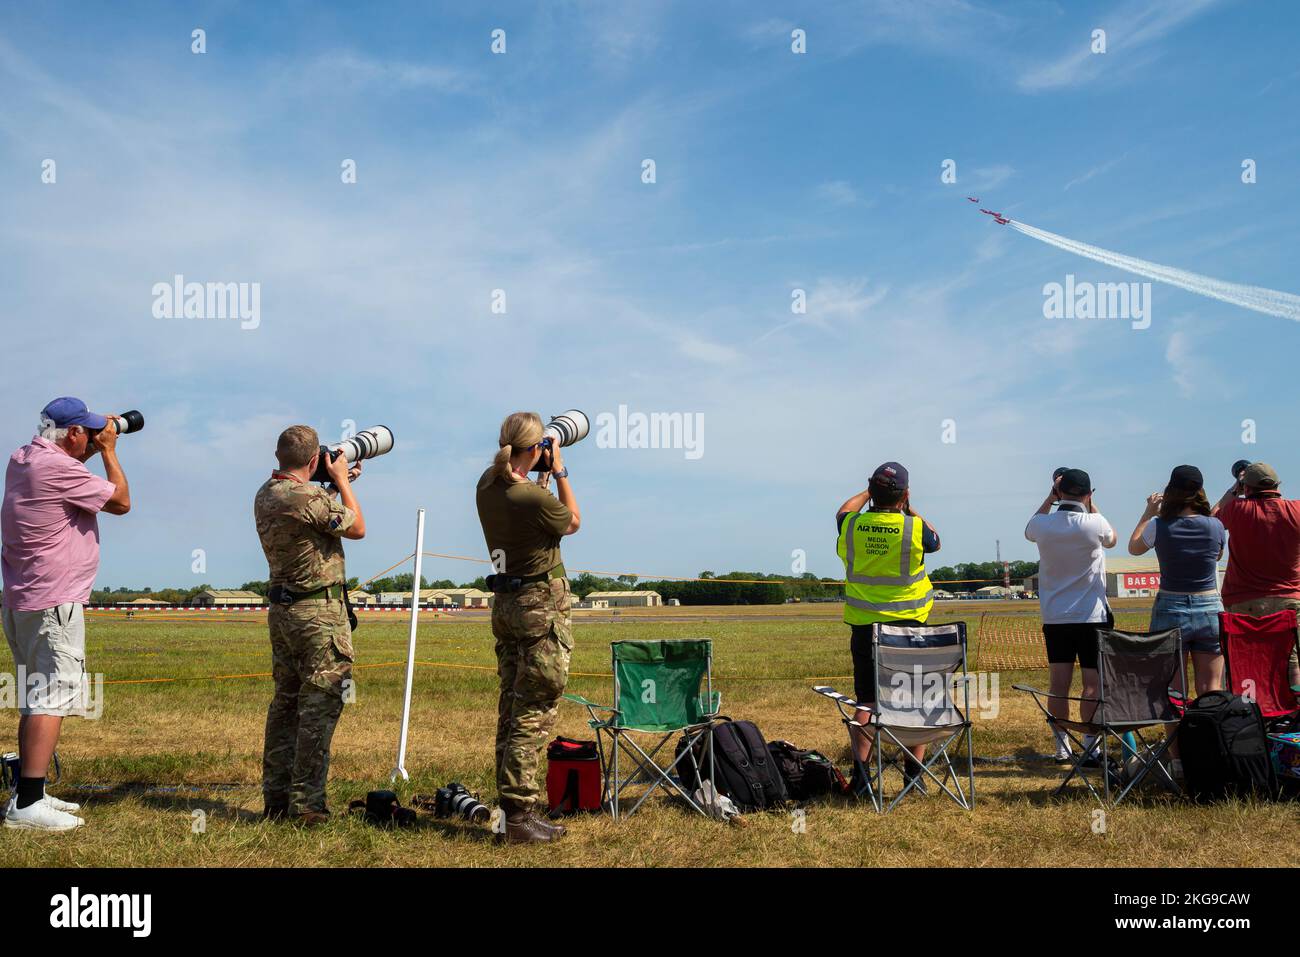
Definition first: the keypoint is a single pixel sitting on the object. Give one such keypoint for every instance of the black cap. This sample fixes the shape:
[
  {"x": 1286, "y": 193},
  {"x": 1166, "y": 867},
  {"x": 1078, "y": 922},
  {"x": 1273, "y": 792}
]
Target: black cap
[
  {"x": 1075, "y": 482},
  {"x": 890, "y": 475},
  {"x": 1186, "y": 478}
]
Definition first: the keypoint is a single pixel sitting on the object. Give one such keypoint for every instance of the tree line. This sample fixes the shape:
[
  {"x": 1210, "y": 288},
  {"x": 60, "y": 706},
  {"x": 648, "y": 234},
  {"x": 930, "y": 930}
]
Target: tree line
[{"x": 758, "y": 588}]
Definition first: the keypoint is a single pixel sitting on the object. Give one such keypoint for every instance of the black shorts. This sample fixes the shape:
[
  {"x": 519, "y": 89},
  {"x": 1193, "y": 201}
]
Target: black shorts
[
  {"x": 1067, "y": 642},
  {"x": 864, "y": 662}
]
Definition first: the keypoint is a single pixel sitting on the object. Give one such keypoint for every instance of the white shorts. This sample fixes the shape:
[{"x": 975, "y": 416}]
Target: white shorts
[{"x": 49, "y": 649}]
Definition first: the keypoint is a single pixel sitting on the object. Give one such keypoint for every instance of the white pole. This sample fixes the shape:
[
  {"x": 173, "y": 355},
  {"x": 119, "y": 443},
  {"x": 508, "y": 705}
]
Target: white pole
[{"x": 400, "y": 769}]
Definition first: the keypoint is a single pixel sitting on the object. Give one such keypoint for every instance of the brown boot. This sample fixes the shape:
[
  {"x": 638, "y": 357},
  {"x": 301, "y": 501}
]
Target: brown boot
[
  {"x": 311, "y": 818},
  {"x": 529, "y": 831},
  {"x": 553, "y": 826}
]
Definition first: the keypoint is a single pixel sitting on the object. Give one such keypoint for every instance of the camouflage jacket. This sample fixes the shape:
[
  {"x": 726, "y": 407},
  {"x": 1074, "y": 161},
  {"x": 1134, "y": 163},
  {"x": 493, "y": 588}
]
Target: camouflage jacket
[{"x": 300, "y": 526}]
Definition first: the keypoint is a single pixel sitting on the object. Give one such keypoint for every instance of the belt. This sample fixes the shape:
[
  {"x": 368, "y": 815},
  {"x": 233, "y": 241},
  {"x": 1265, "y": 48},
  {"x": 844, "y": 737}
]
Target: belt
[
  {"x": 279, "y": 595},
  {"x": 504, "y": 584}
]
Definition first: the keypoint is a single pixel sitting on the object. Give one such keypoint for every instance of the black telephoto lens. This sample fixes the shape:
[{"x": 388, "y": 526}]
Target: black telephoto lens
[{"x": 131, "y": 421}]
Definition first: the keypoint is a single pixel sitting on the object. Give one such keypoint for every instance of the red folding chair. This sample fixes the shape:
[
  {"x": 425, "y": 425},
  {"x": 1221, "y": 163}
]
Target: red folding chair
[{"x": 1256, "y": 653}]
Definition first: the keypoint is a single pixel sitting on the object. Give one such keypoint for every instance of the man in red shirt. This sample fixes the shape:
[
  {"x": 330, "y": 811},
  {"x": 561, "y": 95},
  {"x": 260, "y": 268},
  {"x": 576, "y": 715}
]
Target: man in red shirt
[{"x": 1263, "y": 547}]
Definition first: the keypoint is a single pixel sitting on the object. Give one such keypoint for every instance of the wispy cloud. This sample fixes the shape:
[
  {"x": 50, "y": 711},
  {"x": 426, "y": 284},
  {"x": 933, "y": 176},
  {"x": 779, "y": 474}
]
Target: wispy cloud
[
  {"x": 1095, "y": 171},
  {"x": 840, "y": 193},
  {"x": 988, "y": 177},
  {"x": 1130, "y": 29},
  {"x": 832, "y": 303},
  {"x": 350, "y": 69}
]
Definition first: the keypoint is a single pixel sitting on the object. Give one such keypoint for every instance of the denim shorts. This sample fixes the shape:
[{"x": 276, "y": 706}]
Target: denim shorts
[{"x": 1196, "y": 615}]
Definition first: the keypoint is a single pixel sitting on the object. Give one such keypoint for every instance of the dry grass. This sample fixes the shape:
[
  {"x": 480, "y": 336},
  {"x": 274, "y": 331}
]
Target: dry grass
[{"x": 204, "y": 737}]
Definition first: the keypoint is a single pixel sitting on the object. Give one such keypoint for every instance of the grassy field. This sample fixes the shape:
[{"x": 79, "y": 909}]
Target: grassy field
[{"x": 163, "y": 750}]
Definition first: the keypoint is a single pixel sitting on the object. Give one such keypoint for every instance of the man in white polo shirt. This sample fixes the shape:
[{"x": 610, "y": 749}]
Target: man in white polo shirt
[
  {"x": 50, "y": 557},
  {"x": 1072, "y": 591}
]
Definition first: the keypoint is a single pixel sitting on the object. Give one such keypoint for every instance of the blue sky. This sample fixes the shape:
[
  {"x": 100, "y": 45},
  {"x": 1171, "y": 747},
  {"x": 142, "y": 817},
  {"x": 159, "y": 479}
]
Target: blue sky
[{"x": 522, "y": 172}]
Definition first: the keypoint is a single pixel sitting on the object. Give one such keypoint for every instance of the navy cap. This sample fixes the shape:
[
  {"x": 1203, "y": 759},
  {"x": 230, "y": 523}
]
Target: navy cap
[
  {"x": 66, "y": 411},
  {"x": 890, "y": 475},
  {"x": 1075, "y": 482},
  {"x": 1186, "y": 478}
]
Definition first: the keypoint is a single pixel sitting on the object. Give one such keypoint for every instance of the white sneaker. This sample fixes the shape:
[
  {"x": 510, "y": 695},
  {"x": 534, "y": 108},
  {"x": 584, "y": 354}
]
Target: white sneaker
[
  {"x": 1063, "y": 752},
  {"x": 66, "y": 807},
  {"x": 41, "y": 816}
]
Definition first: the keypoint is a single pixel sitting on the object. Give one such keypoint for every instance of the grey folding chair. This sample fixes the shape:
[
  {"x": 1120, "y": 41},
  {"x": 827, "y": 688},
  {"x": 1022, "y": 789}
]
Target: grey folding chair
[
  {"x": 917, "y": 671},
  {"x": 1136, "y": 673}
]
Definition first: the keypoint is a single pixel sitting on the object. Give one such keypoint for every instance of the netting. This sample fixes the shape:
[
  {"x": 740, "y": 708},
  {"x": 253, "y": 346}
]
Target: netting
[{"x": 1015, "y": 642}]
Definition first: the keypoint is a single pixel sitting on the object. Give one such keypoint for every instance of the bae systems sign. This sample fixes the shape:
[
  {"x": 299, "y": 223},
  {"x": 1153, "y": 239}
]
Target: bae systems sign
[{"x": 1144, "y": 580}]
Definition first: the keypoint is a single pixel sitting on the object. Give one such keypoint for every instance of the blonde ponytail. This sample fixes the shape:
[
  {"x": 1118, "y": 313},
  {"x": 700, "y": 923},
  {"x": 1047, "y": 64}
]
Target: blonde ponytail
[{"x": 520, "y": 430}]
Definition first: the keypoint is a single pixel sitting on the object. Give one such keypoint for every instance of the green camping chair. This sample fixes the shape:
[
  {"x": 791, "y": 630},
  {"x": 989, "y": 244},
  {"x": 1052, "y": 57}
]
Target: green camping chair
[{"x": 657, "y": 692}]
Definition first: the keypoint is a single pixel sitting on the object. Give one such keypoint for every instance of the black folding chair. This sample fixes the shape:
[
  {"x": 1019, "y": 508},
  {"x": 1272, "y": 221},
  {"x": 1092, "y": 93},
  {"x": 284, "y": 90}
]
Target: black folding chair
[
  {"x": 917, "y": 668},
  {"x": 1136, "y": 672}
]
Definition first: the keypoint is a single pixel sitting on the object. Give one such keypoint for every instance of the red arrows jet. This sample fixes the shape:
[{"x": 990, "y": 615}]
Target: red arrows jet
[
  {"x": 973, "y": 199},
  {"x": 1000, "y": 219}
]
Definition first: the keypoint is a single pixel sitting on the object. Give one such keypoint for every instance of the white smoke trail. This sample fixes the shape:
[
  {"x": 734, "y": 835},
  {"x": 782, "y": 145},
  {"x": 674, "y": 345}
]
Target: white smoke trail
[{"x": 1268, "y": 301}]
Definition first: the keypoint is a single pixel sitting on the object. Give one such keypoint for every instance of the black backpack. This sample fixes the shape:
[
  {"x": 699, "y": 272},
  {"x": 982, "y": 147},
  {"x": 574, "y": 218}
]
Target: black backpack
[
  {"x": 1224, "y": 749},
  {"x": 744, "y": 770},
  {"x": 807, "y": 774}
]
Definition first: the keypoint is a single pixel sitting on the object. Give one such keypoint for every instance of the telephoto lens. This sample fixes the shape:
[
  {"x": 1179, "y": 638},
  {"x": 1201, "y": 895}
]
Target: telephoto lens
[
  {"x": 455, "y": 800},
  {"x": 567, "y": 428},
  {"x": 563, "y": 430},
  {"x": 132, "y": 421},
  {"x": 366, "y": 444}
]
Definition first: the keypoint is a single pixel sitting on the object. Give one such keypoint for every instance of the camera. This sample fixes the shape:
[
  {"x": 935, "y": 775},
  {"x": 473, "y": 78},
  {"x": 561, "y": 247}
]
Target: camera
[
  {"x": 1238, "y": 467},
  {"x": 132, "y": 421},
  {"x": 455, "y": 801},
  {"x": 565, "y": 429},
  {"x": 366, "y": 444}
]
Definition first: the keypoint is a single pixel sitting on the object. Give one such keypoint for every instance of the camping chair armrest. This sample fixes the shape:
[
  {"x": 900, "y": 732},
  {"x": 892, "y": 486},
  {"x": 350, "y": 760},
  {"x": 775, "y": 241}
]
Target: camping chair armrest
[
  {"x": 712, "y": 709},
  {"x": 579, "y": 699},
  {"x": 1046, "y": 694}
]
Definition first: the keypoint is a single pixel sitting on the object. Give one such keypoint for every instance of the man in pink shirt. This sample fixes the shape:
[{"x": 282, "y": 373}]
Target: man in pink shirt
[{"x": 50, "y": 556}]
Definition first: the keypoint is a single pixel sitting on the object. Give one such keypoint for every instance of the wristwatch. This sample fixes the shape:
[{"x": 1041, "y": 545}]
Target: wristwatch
[{"x": 560, "y": 475}]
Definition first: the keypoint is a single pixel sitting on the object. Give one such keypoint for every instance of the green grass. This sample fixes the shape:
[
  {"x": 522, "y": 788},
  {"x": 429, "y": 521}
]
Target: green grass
[{"x": 163, "y": 751}]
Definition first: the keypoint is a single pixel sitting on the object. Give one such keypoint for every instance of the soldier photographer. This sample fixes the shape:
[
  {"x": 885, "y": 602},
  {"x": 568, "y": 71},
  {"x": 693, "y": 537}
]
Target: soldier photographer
[
  {"x": 524, "y": 522},
  {"x": 301, "y": 526}
]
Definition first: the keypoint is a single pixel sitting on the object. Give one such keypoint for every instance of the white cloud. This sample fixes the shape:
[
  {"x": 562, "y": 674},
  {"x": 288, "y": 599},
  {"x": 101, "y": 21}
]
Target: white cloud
[
  {"x": 351, "y": 69},
  {"x": 1095, "y": 171},
  {"x": 1129, "y": 29},
  {"x": 695, "y": 347},
  {"x": 840, "y": 193},
  {"x": 988, "y": 177}
]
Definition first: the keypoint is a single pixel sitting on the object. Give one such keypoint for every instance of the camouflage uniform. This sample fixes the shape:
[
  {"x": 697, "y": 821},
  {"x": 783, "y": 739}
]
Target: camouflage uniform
[
  {"x": 534, "y": 641},
  {"x": 300, "y": 525}
]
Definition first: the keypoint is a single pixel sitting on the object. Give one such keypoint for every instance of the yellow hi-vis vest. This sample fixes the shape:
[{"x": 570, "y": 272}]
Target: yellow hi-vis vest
[{"x": 884, "y": 568}]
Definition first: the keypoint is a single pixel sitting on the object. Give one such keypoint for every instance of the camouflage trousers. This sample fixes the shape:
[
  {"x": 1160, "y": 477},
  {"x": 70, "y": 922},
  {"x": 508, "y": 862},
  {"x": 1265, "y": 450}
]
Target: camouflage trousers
[
  {"x": 311, "y": 658},
  {"x": 534, "y": 641}
]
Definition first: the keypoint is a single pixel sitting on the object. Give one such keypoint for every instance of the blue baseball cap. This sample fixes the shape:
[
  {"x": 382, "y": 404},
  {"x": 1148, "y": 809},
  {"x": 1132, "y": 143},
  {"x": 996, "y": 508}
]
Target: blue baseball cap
[
  {"x": 66, "y": 411},
  {"x": 890, "y": 475}
]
